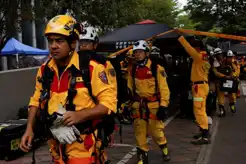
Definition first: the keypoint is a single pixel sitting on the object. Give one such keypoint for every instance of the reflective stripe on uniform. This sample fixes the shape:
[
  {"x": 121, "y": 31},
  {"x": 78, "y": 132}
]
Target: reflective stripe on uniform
[{"x": 197, "y": 99}]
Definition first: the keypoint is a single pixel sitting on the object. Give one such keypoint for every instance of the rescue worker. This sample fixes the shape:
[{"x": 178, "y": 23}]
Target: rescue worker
[
  {"x": 88, "y": 41},
  {"x": 150, "y": 96},
  {"x": 234, "y": 75},
  {"x": 125, "y": 63},
  {"x": 78, "y": 146},
  {"x": 218, "y": 66},
  {"x": 155, "y": 53},
  {"x": 225, "y": 70},
  {"x": 200, "y": 88}
]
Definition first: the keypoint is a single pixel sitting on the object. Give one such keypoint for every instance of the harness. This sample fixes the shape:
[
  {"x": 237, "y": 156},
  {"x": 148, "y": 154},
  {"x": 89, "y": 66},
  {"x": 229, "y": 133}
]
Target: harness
[
  {"x": 105, "y": 125},
  {"x": 226, "y": 70},
  {"x": 143, "y": 101}
]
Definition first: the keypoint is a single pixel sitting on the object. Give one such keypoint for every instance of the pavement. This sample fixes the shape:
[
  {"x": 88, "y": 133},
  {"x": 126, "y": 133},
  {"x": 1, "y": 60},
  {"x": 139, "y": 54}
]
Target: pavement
[
  {"x": 178, "y": 132},
  {"x": 227, "y": 147}
]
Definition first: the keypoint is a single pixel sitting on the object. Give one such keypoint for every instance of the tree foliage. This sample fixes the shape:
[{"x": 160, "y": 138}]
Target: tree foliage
[
  {"x": 227, "y": 16},
  {"x": 104, "y": 14}
]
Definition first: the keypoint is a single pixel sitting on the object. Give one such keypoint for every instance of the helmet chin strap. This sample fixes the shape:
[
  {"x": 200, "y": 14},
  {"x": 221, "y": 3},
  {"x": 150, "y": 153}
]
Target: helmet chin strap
[
  {"x": 142, "y": 62},
  {"x": 68, "y": 56}
]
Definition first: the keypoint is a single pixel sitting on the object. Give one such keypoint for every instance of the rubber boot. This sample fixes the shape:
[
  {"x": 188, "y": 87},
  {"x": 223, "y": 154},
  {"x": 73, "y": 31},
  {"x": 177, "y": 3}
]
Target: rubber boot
[
  {"x": 142, "y": 156},
  {"x": 232, "y": 107},
  {"x": 204, "y": 139},
  {"x": 222, "y": 111},
  {"x": 165, "y": 153},
  {"x": 107, "y": 162},
  {"x": 198, "y": 135}
]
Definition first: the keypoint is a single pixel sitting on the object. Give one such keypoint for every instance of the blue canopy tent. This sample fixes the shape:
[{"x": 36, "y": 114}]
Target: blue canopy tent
[{"x": 14, "y": 47}]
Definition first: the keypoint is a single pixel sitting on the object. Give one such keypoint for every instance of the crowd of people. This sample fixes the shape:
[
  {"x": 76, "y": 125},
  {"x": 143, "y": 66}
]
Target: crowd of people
[{"x": 75, "y": 96}]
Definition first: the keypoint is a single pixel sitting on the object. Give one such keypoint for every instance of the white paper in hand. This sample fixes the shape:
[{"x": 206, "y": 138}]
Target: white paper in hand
[{"x": 228, "y": 84}]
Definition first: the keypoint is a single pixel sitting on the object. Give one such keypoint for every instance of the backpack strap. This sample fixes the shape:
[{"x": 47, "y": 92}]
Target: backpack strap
[
  {"x": 72, "y": 90},
  {"x": 46, "y": 80},
  {"x": 134, "y": 67},
  {"x": 84, "y": 62},
  {"x": 153, "y": 69}
]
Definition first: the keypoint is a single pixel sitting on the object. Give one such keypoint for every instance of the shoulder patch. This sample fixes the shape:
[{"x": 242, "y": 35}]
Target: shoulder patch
[
  {"x": 112, "y": 72},
  {"x": 102, "y": 75}
]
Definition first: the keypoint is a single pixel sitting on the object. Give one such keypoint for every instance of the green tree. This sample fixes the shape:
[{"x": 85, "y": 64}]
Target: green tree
[
  {"x": 110, "y": 14},
  {"x": 226, "y": 15},
  {"x": 184, "y": 21}
]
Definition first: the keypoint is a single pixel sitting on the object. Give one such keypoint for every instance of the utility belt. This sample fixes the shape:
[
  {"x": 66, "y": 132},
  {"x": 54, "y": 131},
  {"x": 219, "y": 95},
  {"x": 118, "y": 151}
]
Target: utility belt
[
  {"x": 143, "y": 105},
  {"x": 58, "y": 156},
  {"x": 86, "y": 128},
  {"x": 199, "y": 82}
]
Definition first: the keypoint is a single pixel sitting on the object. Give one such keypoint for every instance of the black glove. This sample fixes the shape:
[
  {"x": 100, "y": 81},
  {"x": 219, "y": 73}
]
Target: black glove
[{"x": 162, "y": 113}]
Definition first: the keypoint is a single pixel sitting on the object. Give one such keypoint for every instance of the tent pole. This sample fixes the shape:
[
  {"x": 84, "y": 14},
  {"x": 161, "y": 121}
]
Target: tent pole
[{"x": 17, "y": 60}]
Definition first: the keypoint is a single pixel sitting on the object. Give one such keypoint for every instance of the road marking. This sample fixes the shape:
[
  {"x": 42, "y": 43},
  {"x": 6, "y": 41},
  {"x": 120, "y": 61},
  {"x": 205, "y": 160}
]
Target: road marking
[
  {"x": 206, "y": 150},
  {"x": 133, "y": 152},
  {"x": 243, "y": 86}
]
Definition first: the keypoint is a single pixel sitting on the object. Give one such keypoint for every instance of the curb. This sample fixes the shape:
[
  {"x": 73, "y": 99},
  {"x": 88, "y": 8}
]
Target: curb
[{"x": 206, "y": 150}]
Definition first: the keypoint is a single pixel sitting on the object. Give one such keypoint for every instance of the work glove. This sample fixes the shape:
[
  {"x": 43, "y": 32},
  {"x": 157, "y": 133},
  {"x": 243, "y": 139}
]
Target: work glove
[
  {"x": 162, "y": 113},
  {"x": 65, "y": 134}
]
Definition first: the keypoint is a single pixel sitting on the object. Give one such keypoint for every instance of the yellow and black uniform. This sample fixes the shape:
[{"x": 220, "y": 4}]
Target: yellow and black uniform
[
  {"x": 221, "y": 72},
  {"x": 200, "y": 88},
  {"x": 101, "y": 89},
  {"x": 235, "y": 74},
  {"x": 146, "y": 102},
  {"x": 111, "y": 74}
]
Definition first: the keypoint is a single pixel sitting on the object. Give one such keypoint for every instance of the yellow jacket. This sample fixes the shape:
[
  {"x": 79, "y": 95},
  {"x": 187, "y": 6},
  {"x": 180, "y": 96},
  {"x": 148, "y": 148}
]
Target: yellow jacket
[
  {"x": 145, "y": 85},
  {"x": 236, "y": 69},
  {"x": 111, "y": 75},
  {"x": 200, "y": 65},
  {"x": 101, "y": 89}
]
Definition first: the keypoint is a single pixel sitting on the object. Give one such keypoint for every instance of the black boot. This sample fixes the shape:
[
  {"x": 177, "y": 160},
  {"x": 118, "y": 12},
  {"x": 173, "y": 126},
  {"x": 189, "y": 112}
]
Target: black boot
[
  {"x": 222, "y": 111},
  {"x": 232, "y": 107},
  {"x": 142, "y": 156},
  {"x": 107, "y": 162},
  {"x": 198, "y": 135},
  {"x": 165, "y": 153},
  {"x": 204, "y": 139}
]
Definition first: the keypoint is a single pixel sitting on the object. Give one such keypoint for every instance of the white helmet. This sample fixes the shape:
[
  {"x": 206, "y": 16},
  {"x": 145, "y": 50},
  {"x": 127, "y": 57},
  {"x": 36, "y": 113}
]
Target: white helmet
[
  {"x": 155, "y": 50},
  {"x": 230, "y": 53},
  {"x": 89, "y": 33},
  {"x": 141, "y": 45},
  {"x": 212, "y": 53},
  {"x": 217, "y": 51}
]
